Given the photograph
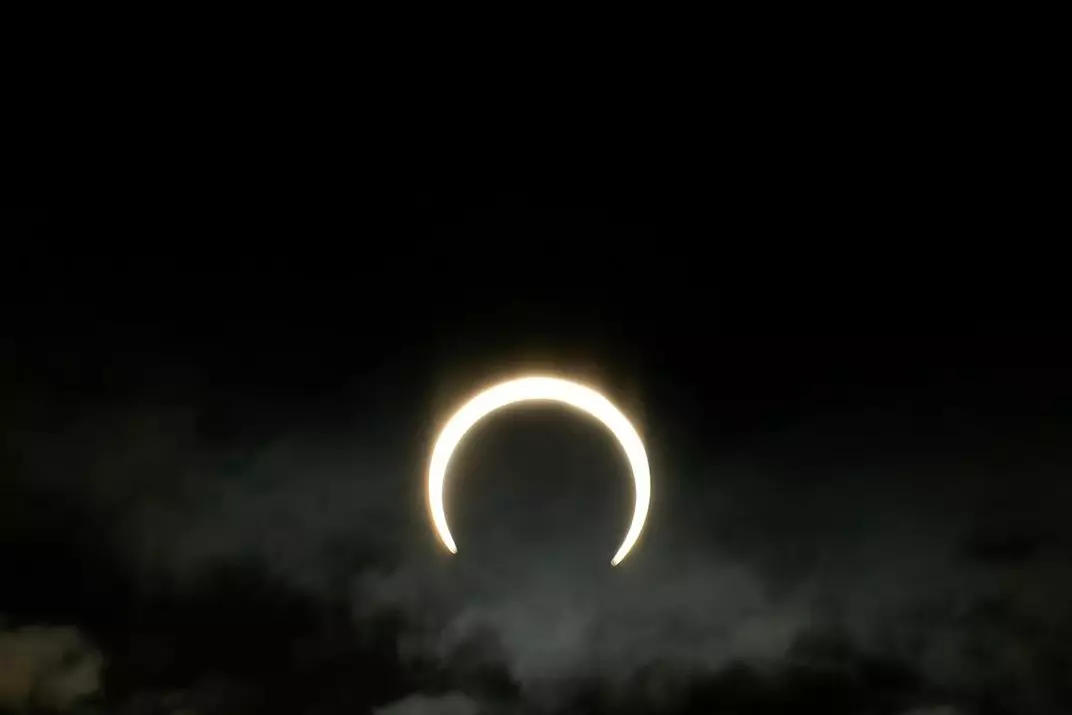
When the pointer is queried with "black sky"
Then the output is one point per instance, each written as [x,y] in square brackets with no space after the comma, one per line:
[218,410]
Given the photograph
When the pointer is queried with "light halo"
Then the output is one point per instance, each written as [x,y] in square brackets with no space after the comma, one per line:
[540,388]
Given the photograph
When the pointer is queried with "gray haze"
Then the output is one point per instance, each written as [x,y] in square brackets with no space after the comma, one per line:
[950,555]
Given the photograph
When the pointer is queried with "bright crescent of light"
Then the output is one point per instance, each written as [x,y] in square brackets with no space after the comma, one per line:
[541,389]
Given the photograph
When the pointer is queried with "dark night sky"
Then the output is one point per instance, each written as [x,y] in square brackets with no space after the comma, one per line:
[217,413]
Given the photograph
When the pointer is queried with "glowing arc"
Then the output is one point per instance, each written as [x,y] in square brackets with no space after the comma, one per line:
[540,389]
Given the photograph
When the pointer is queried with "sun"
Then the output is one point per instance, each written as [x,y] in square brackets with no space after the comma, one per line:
[536,388]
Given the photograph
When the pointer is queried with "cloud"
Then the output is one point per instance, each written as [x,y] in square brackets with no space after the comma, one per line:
[451,704]
[47,666]
[559,623]
[744,559]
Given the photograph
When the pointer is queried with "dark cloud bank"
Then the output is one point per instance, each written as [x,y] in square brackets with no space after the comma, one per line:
[250,563]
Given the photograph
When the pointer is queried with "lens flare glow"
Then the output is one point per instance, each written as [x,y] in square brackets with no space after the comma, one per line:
[540,389]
